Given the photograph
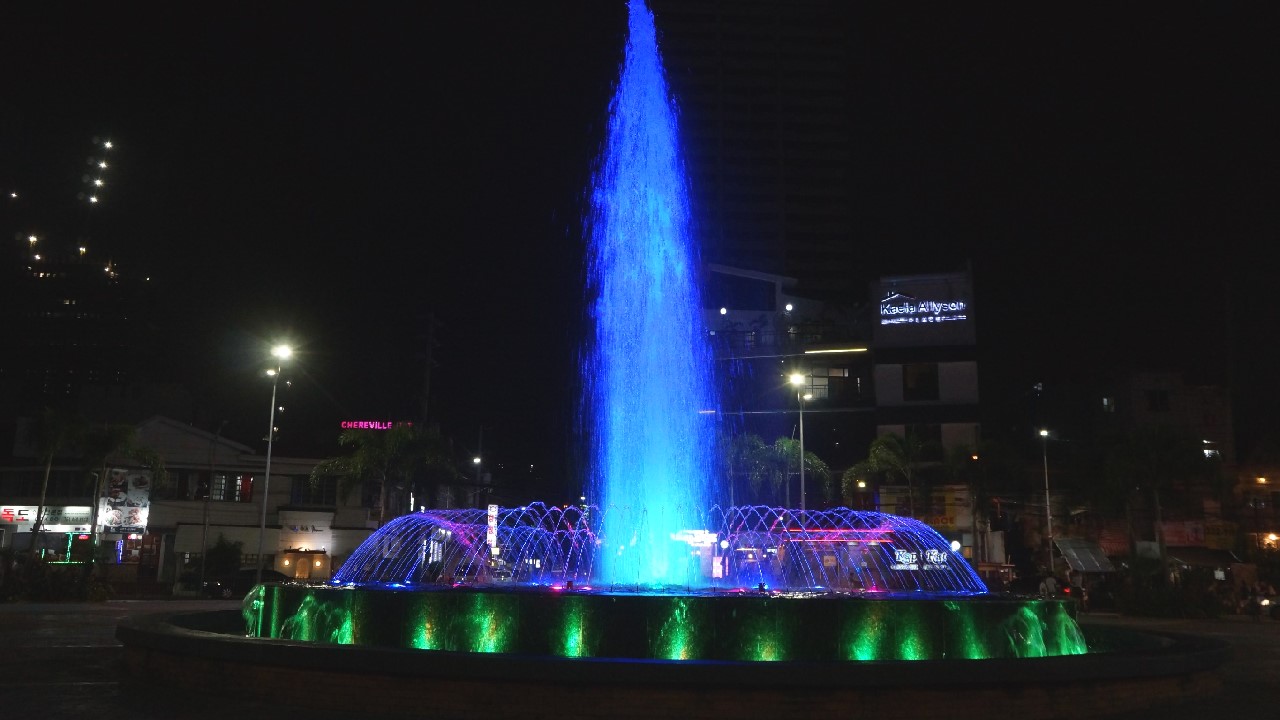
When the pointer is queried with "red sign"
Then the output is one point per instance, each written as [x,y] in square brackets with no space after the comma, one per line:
[371,424]
[12,515]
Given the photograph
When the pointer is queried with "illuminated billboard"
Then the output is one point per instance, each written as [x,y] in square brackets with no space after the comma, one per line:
[916,310]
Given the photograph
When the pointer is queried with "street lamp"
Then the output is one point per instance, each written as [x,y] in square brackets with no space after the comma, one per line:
[798,381]
[1048,509]
[281,353]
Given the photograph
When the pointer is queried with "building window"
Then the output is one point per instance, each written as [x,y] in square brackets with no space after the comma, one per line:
[232,488]
[1108,405]
[1158,400]
[930,433]
[323,492]
[920,382]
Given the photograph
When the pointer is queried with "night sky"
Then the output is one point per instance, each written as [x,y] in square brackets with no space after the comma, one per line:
[338,177]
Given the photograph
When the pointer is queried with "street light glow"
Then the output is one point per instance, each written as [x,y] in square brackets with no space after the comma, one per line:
[280,352]
[797,379]
[1044,433]
[476,460]
[107,145]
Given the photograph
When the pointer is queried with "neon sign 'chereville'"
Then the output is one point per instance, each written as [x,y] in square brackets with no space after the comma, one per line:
[898,309]
[372,424]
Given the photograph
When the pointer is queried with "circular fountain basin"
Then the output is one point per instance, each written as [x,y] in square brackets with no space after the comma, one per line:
[734,626]
[1122,672]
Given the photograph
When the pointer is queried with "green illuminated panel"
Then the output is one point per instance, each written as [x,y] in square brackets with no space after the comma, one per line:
[755,628]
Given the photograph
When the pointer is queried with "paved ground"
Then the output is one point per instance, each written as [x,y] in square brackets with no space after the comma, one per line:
[62,661]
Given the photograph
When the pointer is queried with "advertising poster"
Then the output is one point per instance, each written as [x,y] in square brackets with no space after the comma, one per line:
[127,503]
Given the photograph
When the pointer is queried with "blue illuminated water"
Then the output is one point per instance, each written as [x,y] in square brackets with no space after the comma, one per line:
[648,387]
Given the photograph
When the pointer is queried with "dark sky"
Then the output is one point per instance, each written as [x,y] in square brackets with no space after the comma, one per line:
[336,177]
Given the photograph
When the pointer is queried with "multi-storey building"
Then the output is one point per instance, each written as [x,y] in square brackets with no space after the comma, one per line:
[763,95]
[156,530]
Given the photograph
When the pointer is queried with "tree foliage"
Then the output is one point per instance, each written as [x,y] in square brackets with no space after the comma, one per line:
[893,458]
[767,468]
[402,457]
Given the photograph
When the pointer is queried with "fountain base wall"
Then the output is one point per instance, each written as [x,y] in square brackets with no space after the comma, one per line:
[184,652]
[716,626]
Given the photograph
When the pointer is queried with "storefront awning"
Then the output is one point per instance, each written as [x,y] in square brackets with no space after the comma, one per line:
[1084,555]
[1202,557]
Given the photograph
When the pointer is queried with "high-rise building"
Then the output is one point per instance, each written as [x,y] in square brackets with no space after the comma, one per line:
[762,89]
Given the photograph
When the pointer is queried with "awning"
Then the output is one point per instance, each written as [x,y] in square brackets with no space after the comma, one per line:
[1084,555]
[1202,557]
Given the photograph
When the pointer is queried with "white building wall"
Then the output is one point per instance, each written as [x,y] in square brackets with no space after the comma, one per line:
[957,382]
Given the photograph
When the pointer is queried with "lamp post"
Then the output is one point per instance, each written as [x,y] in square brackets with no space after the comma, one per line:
[281,353]
[1048,509]
[798,381]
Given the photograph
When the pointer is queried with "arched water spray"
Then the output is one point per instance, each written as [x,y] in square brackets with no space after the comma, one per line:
[648,390]
[836,550]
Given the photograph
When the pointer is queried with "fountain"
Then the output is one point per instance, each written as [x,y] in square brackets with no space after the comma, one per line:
[651,600]
[651,570]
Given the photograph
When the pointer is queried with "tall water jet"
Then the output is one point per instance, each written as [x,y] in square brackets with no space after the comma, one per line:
[648,389]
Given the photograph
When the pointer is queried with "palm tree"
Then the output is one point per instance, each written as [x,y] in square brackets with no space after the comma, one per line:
[893,457]
[747,456]
[1152,459]
[385,457]
[112,443]
[54,433]
[782,459]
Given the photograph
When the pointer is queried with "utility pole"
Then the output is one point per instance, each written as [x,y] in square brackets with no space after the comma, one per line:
[208,490]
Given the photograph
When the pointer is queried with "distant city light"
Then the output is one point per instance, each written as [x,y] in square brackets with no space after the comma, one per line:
[93,198]
[107,145]
[724,311]
[98,182]
[476,460]
[83,250]
[103,164]
[790,307]
[32,239]
[13,194]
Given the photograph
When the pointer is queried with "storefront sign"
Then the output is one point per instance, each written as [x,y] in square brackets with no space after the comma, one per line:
[57,518]
[127,503]
[907,560]
[371,424]
[899,309]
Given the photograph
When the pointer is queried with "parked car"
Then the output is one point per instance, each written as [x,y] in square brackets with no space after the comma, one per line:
[239,583]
